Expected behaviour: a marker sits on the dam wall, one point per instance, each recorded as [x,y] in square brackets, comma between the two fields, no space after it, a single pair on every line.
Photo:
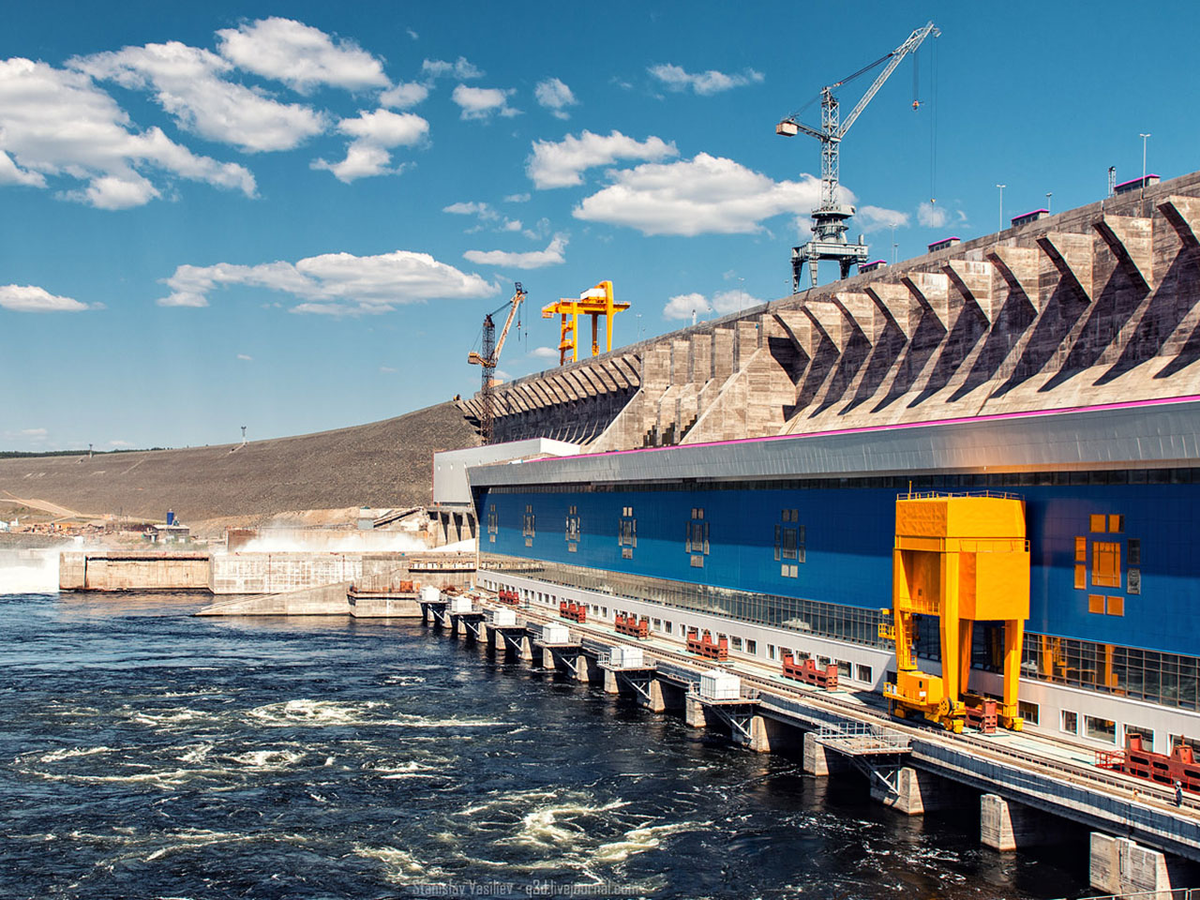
[1093,305]
[133,570]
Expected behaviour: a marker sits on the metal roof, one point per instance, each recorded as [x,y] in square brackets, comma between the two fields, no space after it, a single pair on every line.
[1148,434]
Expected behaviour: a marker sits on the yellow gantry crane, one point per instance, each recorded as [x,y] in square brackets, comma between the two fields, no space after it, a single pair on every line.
[595,303]
[961,559]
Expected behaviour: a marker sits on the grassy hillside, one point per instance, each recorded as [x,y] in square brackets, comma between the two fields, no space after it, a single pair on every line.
[383,464]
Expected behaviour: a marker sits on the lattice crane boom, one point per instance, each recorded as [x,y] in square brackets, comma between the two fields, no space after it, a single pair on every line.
[489,358]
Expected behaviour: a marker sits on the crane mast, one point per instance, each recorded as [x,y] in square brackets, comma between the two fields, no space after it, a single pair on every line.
[489,358]
[829,219]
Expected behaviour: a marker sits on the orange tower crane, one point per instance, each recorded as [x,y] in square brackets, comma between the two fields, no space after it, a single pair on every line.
[595,303]
[490,357]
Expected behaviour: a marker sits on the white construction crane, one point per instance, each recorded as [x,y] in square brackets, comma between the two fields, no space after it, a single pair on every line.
[490,357]
[829,219]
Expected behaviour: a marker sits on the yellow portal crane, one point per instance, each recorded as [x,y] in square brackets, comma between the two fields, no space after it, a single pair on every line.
[595,303]
[963,559]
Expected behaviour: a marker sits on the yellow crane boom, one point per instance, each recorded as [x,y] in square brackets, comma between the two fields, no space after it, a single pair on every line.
[595,303]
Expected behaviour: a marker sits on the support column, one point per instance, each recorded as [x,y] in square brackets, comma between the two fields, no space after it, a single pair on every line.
[917,792]
[693,712]
[1008,825]
[760,739]
[580,668]
[526,653]
[656,702]
[819,760]
[489,634]
[1120,866]
[611,686]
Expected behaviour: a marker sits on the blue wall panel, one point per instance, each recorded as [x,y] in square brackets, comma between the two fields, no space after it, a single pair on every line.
[849,544]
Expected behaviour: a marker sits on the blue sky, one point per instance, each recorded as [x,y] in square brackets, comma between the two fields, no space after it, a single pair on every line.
[294,216]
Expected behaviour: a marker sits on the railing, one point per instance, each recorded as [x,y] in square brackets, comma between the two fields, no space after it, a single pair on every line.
[940,495]
[1173,894]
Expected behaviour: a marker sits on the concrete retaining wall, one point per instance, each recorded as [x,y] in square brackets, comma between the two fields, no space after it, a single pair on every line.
[327,600]
[133,570]
[276,573]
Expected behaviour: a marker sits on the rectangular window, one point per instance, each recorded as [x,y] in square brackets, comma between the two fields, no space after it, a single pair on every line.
[770,651]
[1099,522]
[627,528]
[737,643]
[1096,604]
[1070,722]
[1028,711]
[1106,564]
[1080,549]
[656,624]
[752,647]
[843,668]
[789,542]
[864,674]
[1133,549]
[1100,729]
[1116,524]
[527,524]
[573,524]
[1146,733]
[1116,606]
[1080,576]
[493,521]
[697,536]
[667,627]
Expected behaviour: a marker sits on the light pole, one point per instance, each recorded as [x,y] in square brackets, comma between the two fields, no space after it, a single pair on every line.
[1142,199]
[1002,187]
[894,245]
[1049,209]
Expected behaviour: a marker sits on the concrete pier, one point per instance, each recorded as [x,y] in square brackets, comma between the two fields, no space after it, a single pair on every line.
[917,792]
[1009,825]
[1121,866]
[611,684]
[819,760]
[693,712]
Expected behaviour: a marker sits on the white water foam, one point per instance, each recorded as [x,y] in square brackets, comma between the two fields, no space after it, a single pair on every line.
[29,571]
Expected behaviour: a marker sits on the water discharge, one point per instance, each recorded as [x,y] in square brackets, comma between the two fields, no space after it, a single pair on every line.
[28,571]
[149,754]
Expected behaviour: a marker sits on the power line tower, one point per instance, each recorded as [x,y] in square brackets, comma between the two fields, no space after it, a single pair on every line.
[829,219]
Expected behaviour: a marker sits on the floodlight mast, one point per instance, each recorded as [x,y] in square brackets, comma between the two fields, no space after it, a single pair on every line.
[829,219]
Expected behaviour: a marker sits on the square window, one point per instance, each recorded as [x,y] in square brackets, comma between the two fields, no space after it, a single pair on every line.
[1080,575]
[1133,548]
[1106,564]
[1116,524]
[1099,522]
[1100,729]
[864,673]
[1028,711]
[1080,549]
[1070,722]
[752,647]
[737,643]
[1116,606]
[1095,604]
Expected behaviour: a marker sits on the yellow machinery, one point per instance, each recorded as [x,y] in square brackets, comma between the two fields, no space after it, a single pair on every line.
[963,559]
[595,303]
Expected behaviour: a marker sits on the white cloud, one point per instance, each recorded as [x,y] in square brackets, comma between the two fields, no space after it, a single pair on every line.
[188,83]
[676,78]
[512,225]
[387,370]
[537,259]
[561,164]
[30,298]
[681,306]
[373,133]
[932,216]
[873,218]
[403,96]
[482,103]
[335,283]
[471,208]
[300,56]
[55,122]
[704,195]
[33,432]
[544,353]
[412,34]
[517,198]
[10,174]
[554,95]
[245,357]
[119,443]
[460,69]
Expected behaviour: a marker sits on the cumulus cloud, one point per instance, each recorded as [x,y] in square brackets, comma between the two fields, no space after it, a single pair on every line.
[704,195]
[562,163]
[544,353]
[471,208]
[188,84]
[245,357]
[335,283]
[675,78]
[536,259]
[404,95]
[872,218]
[482,103]
[555,96]
[374,133]
[517,198]
[681,306]
[30,298]
[460,69]
[300,56]
[932,216]
[57,123]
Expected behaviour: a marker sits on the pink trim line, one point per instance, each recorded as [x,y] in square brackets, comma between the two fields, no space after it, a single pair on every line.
[1128,404]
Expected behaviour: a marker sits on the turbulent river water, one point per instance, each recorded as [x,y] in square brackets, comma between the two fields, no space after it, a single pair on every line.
[148,754]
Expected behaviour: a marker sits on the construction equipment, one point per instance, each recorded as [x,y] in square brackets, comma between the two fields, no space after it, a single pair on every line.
[490,357]
[961,558]
[595,303]
[829,219]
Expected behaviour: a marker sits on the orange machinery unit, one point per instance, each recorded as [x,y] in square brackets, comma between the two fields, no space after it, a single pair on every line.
[807,672]
[512,598]
[706,648]
[575,612]
[963,558]
[631,626]
[1136,760]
